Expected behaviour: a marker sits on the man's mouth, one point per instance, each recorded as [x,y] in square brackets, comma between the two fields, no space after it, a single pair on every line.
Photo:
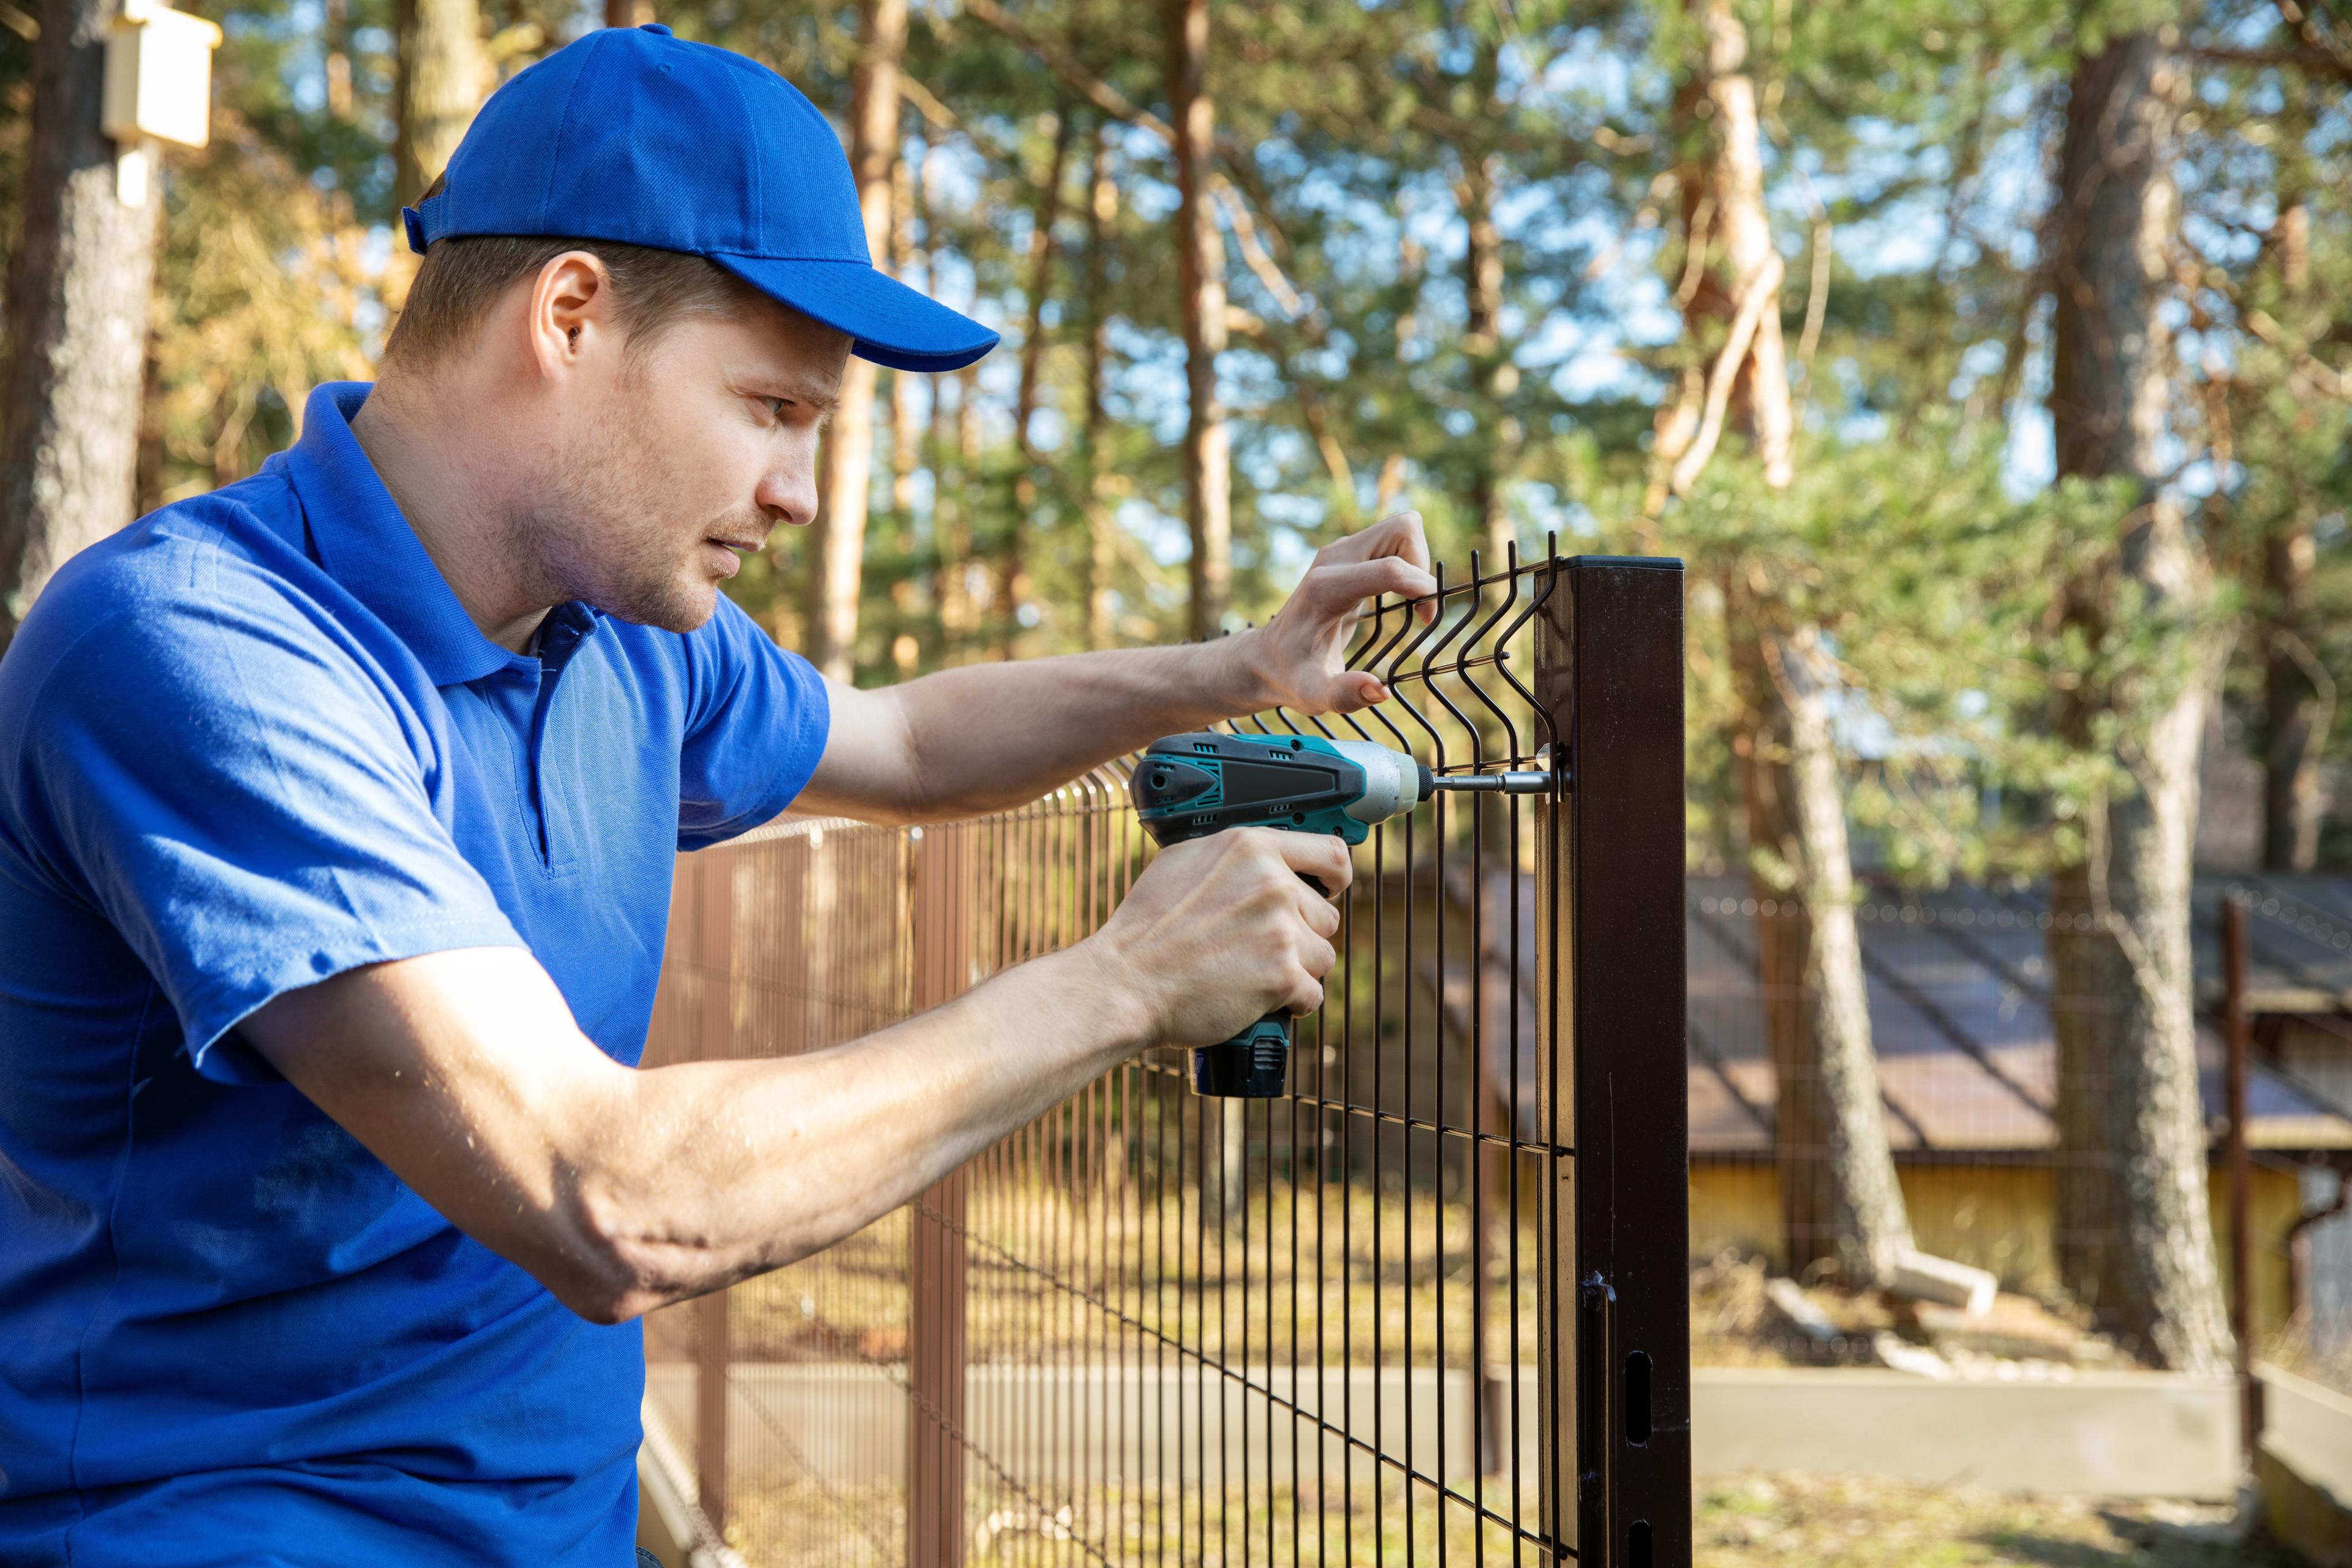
[734,554]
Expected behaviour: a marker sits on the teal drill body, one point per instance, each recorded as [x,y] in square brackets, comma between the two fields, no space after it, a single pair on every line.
[1188,787]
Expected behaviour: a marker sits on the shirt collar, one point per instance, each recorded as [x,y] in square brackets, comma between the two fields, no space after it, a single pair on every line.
[367,546]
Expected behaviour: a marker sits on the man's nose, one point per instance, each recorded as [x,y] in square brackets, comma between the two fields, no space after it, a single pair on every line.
[788,495]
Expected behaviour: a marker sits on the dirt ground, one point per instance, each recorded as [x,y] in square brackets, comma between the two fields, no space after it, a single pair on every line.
[1833,1523]
[1749,1522]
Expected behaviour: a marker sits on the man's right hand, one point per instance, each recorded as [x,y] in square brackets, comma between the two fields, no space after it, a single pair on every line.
[1219,932]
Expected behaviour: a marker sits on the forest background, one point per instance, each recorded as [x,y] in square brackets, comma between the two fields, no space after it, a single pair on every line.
[1988,361]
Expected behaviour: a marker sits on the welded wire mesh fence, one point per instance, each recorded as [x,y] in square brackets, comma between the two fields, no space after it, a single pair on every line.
[1403,1313]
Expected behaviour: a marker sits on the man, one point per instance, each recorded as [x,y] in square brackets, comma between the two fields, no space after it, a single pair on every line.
[337,813]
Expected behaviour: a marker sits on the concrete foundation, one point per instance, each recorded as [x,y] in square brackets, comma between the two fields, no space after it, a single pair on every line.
[2106,1433]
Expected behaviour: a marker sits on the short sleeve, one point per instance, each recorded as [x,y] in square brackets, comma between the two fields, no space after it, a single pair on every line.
[757,719]
[239,797]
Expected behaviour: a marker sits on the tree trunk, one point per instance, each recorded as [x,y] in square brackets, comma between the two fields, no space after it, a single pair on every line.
[1013,568]
[627,13]
[1201,275]
[441,74]
[2298,694]
[1208,460]
[1102,208]
[1748,239]
[2298,702]
[1761,751]
[1839,1195]
[1868,1223]
[78,280]
[337,28]
[2135,1240]
[952,520]
[1492,377]
[837,542]
[906,430]
[1482,301]
[1491,370]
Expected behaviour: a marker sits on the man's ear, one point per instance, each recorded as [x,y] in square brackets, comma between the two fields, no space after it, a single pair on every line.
[571,314]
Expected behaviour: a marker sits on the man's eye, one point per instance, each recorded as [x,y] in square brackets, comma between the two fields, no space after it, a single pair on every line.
[776,407]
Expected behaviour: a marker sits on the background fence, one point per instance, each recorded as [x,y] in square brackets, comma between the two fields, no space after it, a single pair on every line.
[1430,1306]
[1963,1012]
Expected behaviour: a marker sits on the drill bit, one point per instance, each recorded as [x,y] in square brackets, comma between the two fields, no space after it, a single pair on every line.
[1531,782]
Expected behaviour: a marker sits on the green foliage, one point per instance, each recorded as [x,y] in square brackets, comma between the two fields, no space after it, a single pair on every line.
[1942,598]
[1907,147]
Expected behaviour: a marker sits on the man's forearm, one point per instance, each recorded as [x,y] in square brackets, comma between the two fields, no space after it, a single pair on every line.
[712,1171]
[621,1190]
[988,736]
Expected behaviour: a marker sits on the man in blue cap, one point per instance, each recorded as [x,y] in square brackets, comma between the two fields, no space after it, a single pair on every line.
[337,816]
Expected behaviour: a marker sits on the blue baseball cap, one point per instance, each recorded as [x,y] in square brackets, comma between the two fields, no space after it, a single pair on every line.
[635,136]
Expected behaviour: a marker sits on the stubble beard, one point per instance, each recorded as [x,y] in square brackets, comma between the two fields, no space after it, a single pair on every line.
[604,531]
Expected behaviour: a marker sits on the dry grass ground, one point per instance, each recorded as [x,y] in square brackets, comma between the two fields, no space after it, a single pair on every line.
[1802,1521]
[1848,1523]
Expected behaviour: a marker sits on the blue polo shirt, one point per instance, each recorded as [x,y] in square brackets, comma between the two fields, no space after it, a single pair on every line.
[250,742]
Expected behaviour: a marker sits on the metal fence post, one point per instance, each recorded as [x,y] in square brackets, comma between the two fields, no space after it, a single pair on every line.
[712,955]
[710,1407]
[944,869]
[1609,673]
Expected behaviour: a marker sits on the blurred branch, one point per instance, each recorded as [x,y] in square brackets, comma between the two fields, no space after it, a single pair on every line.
[937,115]
[2313,60]
[19,23]
[1695,252]
[1254,252]
[1644,219]
[1817,300]
[524,38]
[2314,26]
[1311,409]
[2334,382]
[1760,293]
[1063,64]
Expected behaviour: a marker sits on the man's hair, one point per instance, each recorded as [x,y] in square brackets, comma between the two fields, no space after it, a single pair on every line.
[462,276]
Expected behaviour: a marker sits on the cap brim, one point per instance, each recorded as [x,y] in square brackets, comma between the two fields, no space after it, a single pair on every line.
[894,325]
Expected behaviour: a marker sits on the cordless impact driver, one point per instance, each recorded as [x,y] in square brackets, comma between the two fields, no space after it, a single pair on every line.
[1188,787]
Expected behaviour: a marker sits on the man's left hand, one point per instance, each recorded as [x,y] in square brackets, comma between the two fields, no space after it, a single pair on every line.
[1300,656]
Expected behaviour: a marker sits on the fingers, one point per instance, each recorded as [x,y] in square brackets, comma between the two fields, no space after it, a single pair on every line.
[1357,690]
[1322,856]
[1304,997]
[1224,930]
[1321,915]
[1325,858]
[1312,958]
[1347,585]
[1399,539]
[1400,535]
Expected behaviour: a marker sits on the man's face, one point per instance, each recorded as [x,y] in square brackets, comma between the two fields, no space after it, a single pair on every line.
[702,442]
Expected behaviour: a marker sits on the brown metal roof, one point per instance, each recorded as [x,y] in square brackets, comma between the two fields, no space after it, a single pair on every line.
[1961,1003]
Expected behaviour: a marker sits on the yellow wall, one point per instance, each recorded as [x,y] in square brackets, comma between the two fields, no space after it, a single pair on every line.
[1996,1217]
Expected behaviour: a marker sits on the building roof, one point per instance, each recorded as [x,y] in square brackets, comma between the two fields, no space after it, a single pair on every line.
[1960,1003]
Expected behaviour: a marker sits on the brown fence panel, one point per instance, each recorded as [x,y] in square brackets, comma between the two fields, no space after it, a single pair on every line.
[1428,1306]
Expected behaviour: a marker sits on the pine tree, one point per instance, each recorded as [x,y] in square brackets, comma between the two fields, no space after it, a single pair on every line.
[837,545]
[2134,1235]
[80,268]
